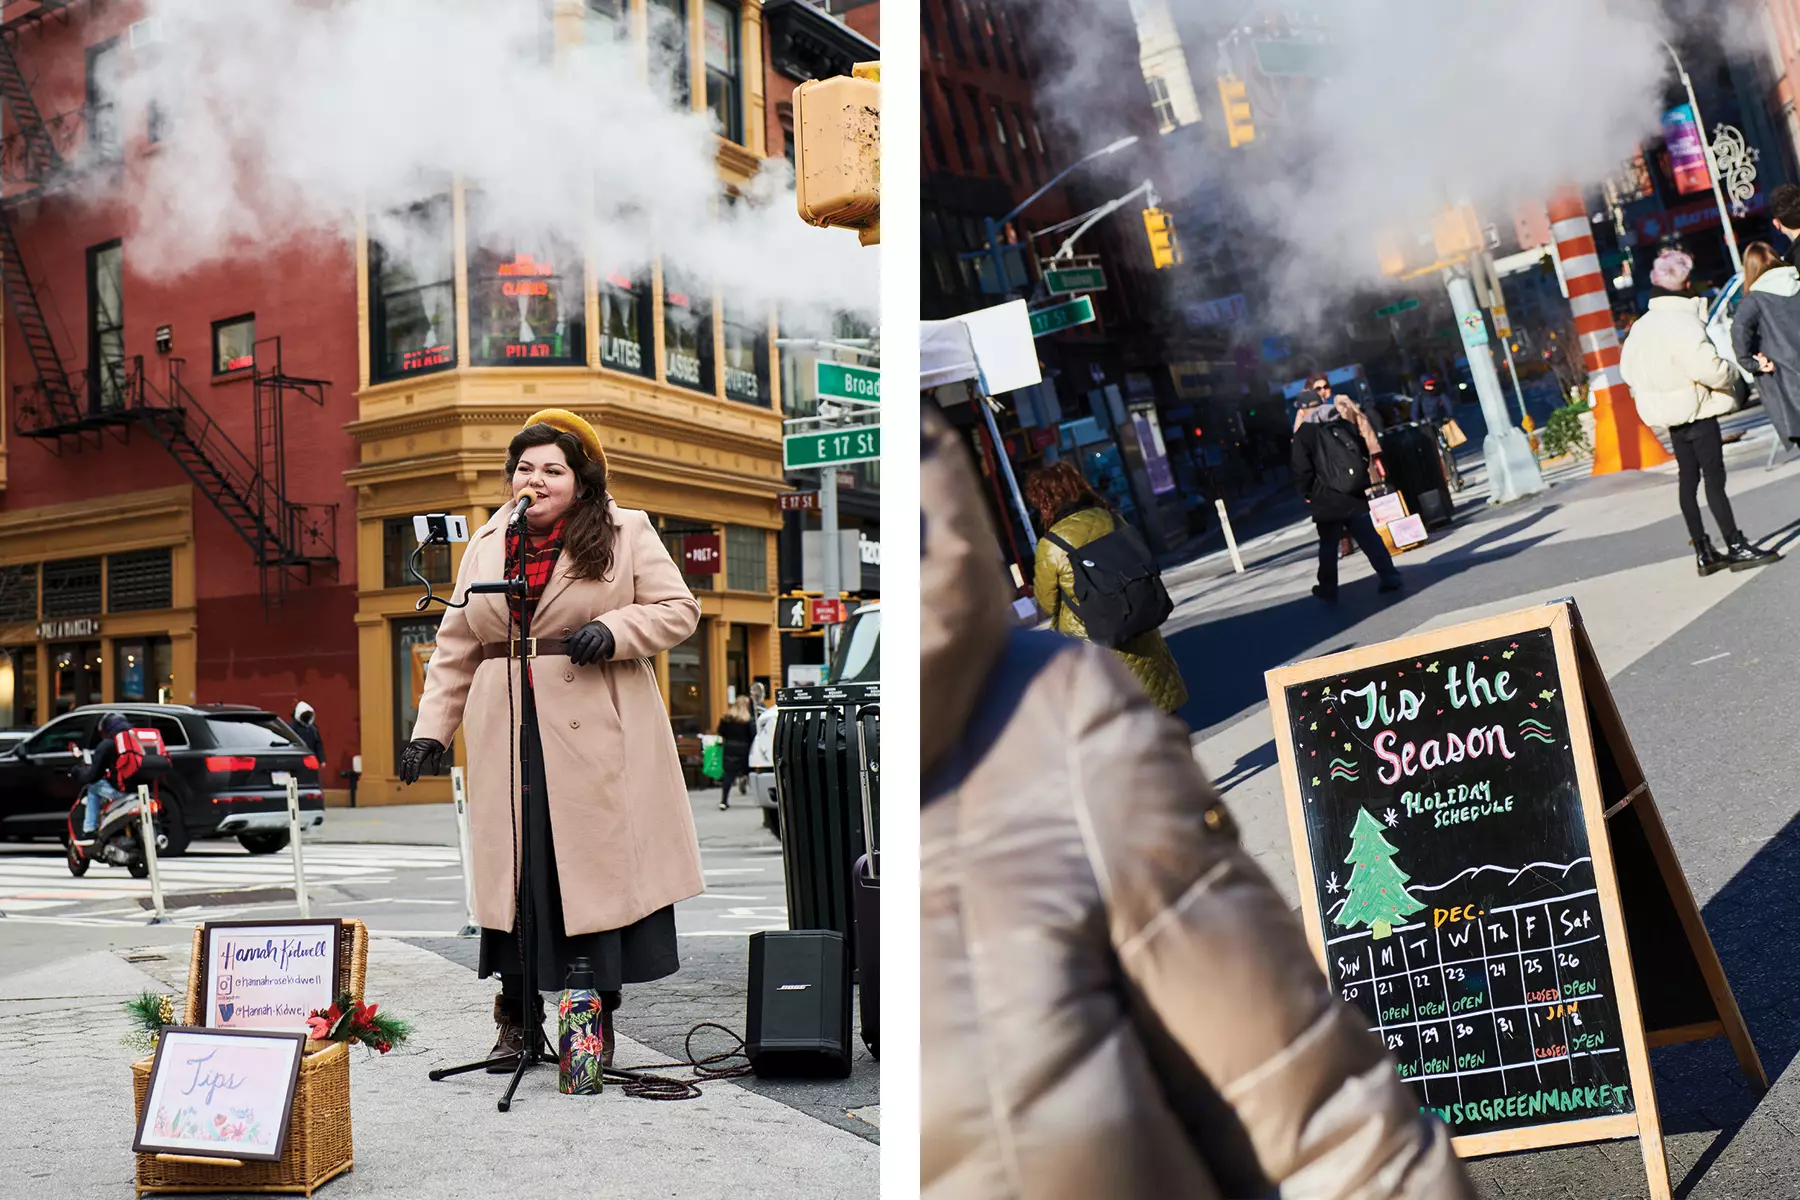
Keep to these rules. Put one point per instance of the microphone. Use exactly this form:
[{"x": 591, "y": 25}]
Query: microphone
[{"x": 518, "y": 517}]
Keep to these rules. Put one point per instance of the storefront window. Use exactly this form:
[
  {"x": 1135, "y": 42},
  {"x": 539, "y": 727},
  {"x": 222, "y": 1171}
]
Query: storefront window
[
  {"x": 398, "y": 541},
  {"x": 669, "y": 34},
  {"x": 737, "y": 661},
  {"x": 687, "y": 685},
  {"x": 75, "y": 676},
  {"x": 412, "y": 281},
  {"x": 674, "y": 535},
  {"x": 525, "y": 299},
  {"x": 18, "y": 687},
  {"x": 143, "y": 669},
  {"x": 722, "y": 70},
  {"x": 72, "y": 587},
  {"x": 746, "y": 559},
  {"x": 19, "y": 593},
  {"x": 139, "y": 580},
  {"x": 625, "y": 317},
  {"x": 607, "y": 20},
  {"x": 746, "y": 355},
  {"x": 687, "y": 333},
  {"x": 414, "y": 640}
]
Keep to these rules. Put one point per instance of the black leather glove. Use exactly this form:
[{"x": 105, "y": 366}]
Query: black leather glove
[
  {"x": 419, "y": 758},
  {"x": 592, "y": 643}
]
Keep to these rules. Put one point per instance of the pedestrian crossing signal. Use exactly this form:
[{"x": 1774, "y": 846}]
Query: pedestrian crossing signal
[
  {"x": 1165, "y": 250},
  {"x": 793, "y": 613},
  {"x": 1240, "y": 128}
]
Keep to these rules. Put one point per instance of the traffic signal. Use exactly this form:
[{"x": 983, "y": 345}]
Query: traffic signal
[
  {"x": 1165, "y": 250},
  {"x": 1239, "y": 126},
  {"x": 837, "y": 152}
]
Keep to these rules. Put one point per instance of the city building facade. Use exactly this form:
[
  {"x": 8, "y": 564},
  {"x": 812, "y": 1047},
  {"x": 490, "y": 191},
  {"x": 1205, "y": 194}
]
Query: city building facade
[{"x": 213, "y": 501}]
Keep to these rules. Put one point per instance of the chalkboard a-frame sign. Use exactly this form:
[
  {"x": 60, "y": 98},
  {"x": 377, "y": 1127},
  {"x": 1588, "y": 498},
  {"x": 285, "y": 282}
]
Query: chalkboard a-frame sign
[{"x": 1484, "y": 875}]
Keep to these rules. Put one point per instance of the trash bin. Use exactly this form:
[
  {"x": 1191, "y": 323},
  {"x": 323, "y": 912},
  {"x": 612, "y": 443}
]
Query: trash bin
[
  {"x": 819, "y": 789},
  {"x": 1414, "y": 469}
]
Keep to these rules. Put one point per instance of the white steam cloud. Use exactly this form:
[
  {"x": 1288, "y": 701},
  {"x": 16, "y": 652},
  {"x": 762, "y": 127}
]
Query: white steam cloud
[
  {"x": 1426, "y": 103},
  {"x": 289, "y": 117}
]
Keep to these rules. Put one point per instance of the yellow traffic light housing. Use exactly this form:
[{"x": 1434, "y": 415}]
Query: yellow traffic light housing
[
  {"x": 837, "y": 152},
  {"x": 1457, "y": 231},
  {"x": 1165, "y": 249},
  {"x": 1240, "y": 127}
]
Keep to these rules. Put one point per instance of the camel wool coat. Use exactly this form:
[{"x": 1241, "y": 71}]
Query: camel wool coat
[{"x": 624, "y": 833}]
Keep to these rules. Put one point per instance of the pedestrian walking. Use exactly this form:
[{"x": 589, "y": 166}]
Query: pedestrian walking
[
  {"x": 1115, "y": 1000},
  {"x": 1332, "y": 455},
  {"x": 611, "y": 846},
  {"x": 1075, "y": 518},
  {"x": 1765, "y": 335},
  {"x": 1784, "y": 208},
  {"x": 737, "y": 730},
  {"x": 1679, "y": 381},
  {"x": 306, "y": 724}
]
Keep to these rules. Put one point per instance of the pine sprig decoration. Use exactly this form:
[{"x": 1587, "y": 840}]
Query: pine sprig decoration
[{"x": 148, "y": 1012}]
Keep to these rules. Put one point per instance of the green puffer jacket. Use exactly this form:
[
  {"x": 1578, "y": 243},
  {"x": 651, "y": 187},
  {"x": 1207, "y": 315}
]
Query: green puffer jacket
[{"x": 1054, "y": 581}]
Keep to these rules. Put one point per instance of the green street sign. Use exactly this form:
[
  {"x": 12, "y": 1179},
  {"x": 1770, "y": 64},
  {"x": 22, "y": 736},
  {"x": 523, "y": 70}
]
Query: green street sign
[
  {"x": 1079, "y": 311},
  {"x": 836, "y": 381},
  {"x": 1394, "y": 310},
  {"x": 1075, "y": 279},
  {"x": 802, "y": 450}
]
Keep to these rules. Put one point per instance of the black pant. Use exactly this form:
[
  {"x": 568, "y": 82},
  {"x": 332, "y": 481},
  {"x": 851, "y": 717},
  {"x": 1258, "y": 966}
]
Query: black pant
[
  {"x": 1362, "y": 528},
  {"x": 730, "y": 778},
  {"x": 1699, "y": 451}
]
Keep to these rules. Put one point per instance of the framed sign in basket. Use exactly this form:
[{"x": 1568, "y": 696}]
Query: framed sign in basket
[
  {"x": 218, "y": 1093},
  {"x": 268, "y": 974}
]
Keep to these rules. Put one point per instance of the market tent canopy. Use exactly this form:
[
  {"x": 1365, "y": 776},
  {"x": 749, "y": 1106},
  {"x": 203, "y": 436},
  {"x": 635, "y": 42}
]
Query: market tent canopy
[
  {"x": 993, "y": 346},
  {"x": 946, "y": 355}
]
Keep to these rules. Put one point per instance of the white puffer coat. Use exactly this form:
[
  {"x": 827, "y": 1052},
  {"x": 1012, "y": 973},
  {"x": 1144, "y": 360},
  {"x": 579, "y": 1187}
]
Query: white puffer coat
[{"x": 1673, "y": 369}]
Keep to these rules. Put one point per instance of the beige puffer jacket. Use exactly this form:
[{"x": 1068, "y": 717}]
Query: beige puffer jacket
[
  {"x": 1672, "y": 368},
  {"x": 1115, "y": 1002}
]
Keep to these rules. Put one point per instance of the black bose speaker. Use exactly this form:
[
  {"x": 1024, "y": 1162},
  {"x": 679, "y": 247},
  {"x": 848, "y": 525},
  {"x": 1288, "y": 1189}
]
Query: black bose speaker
[{"x": 799, "y": 1004}]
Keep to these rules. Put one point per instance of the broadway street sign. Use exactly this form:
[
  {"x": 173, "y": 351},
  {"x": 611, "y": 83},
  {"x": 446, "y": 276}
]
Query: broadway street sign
[
  {"x": 836, "y": 381},
  {"x": 1075, "y": 279}
]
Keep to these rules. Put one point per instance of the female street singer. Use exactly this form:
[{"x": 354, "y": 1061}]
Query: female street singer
[{"x": 612, "y": 843}]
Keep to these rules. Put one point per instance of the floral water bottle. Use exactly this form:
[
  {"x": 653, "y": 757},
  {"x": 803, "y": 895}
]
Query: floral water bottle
[{"x": 579, "y": 1071}]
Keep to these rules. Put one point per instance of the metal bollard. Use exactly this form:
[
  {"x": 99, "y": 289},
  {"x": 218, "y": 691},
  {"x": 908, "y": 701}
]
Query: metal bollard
[
  {"x": 147, "y": 831},
  {"x": 459, "y": 793},
  {"x": 293, "y": 801},
  {"x": 1237, "y": 562}
]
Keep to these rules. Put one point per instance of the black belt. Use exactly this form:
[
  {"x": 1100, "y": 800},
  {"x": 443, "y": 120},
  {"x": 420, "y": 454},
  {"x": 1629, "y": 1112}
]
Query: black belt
[{"x": 534, "y": 648}]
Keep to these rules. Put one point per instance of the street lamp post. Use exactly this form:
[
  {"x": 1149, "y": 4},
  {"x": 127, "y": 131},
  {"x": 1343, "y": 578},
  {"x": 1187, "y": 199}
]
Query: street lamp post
[
  {"x": 1712, "y": 162},
  {"x": 994, "y": 228}
]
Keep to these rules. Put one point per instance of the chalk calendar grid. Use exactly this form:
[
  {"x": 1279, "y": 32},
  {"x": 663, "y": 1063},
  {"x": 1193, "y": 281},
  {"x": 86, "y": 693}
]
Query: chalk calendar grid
[{"x": 1497, "y": 1000}]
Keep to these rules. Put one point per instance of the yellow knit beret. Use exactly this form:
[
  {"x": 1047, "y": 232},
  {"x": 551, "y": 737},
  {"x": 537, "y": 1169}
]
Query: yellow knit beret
[{"x": 567, "y": 422}]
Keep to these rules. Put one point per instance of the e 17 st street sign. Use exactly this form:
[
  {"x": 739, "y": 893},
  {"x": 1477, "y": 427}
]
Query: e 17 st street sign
[
  {"x": 1074, "y": 279},
  {"x": 836, "y": 381},
  {"x": 1398, "y": 307},
  {"x": 802, "y": 450},
  {"x": 1079, "y": 311}
]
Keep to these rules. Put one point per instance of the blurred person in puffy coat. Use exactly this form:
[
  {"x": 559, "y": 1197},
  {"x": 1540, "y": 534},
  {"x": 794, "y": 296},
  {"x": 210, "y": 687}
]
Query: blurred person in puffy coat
[
  {"x": 1678, "y": 380},
  {"x": 1117, "y": 1002},
  {"x": 1070, "y": 509}
]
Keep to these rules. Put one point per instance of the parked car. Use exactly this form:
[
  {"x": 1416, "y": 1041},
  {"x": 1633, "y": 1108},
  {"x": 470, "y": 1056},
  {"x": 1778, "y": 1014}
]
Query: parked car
[
  {"x": 230, "y": 765},
  {"x": 858, "y": 660}
]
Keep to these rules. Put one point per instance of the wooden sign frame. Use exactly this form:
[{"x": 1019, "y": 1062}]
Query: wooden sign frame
[{"x": 1652, "y": 882}]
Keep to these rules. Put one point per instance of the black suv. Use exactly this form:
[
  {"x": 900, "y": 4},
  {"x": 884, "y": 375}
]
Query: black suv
[{"x": 228, "y": 777}]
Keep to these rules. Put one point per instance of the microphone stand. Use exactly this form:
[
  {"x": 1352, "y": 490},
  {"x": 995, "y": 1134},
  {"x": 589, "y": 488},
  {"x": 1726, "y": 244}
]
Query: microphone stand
[{"x": 522, "y": 651}]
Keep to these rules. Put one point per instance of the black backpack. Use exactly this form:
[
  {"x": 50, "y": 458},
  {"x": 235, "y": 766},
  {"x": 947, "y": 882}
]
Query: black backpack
[
  {"x": 1340, "y": 458},
  {"x": 1119, "y": 591}
]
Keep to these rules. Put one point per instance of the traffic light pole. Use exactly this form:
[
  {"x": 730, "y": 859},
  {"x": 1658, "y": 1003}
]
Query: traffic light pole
[{"x": 828, "y": 520}]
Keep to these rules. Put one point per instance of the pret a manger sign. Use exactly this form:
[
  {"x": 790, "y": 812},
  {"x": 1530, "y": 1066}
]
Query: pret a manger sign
[{"x": 1473, "y": 836}]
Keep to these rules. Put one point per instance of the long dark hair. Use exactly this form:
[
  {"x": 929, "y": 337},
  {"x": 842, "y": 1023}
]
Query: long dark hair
[
  {"x": 1758, "y": 257},
  {"x": 589, "y": 534},
  {"x": 1058, "y": 488}
]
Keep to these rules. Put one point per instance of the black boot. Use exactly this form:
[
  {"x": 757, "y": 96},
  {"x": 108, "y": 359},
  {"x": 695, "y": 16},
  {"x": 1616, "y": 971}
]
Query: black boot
[
  {"x": 513, "y": 1034},
  {"x": 609, "y": 1003},
  {"x": 1706, "y": 558},
  {"x": 1741, "y": 555}
]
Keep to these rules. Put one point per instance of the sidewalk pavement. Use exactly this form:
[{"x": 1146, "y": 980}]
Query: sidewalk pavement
[{"x": 59, "y": 1038}]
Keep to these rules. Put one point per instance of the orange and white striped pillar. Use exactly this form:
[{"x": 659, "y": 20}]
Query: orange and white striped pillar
[{"x": 1622, "y": 442}]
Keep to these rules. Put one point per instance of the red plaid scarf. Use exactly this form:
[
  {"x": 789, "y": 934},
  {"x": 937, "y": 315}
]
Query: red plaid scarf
[{"x": 540, "y": 563}]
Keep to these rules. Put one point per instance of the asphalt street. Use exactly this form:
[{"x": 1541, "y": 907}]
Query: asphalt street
[
  {"x": 72, "y": 949},
  {"x": 1706, "y": 673}
]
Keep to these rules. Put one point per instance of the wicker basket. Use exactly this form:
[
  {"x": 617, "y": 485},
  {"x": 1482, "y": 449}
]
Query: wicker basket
[{"x": 319, "y": 1138}]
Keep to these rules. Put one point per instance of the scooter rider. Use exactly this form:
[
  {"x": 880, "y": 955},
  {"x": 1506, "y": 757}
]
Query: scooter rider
[{"x": 101, "y": 774}]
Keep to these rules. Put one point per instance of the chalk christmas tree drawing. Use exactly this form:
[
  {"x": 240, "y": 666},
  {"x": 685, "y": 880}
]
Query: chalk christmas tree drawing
[{"x": 1376, "y": 895}]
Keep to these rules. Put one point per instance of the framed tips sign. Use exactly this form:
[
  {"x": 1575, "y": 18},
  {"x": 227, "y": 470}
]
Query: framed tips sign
[
  {"x": 268, "y": 974},
  {"x": 217, "y": 1093},
  {"x": 1482, "y": 870}
]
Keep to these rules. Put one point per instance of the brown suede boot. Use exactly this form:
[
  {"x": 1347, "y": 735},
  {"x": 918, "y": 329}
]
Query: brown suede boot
[{"x": 509, "y": 1017}]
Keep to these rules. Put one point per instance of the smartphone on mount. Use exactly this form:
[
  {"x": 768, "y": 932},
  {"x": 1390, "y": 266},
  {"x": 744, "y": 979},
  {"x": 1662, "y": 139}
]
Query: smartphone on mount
[{"x": 441, "y": 527}]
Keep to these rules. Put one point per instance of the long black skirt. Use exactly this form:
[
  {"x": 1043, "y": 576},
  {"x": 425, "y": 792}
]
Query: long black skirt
[{"x": 638, "y": 953}]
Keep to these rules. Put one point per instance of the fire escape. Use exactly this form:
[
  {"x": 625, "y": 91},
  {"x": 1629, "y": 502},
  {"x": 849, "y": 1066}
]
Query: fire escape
[{"x": 67, "y": 411}]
